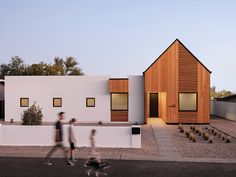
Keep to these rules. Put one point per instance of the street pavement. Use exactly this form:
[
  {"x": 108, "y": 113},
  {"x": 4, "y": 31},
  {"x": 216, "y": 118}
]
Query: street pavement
[{"x": 34, "y": 167}]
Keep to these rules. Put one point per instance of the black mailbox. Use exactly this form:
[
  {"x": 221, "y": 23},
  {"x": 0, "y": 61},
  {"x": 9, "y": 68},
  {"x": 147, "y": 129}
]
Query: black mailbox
[{"x": 135, "y": 130}]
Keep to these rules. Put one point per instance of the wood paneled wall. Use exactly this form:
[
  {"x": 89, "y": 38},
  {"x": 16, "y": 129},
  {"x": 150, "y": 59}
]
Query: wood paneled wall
[
  {"x": 177, "y": 70},
  {"x": 203, "y": 95},
  {"x": 188, "y": 69},
  {"x": 119, "y": 116},
  {"x": 194, "y": 77},
  {"x": 118, "y": 85},
  {"x": 162, "y": 77}
]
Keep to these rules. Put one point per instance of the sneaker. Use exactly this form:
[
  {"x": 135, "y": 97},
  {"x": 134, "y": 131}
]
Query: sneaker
[
  {"x": 47, "y": 163},
  {"x": 74, "y": 160},
  {"x": 70, "y": 163}
]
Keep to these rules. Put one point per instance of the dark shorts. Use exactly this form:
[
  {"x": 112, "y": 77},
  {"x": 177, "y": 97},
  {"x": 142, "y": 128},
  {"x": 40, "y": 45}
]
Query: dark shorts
[{"x": 72, "y": 146}]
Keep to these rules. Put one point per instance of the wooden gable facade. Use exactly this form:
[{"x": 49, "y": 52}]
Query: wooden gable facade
[{"x": 177, "y": 71}]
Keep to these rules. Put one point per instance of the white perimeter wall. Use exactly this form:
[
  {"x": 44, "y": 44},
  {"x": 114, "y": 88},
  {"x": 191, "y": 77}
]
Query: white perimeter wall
[
  {"x": 224, "y": 109},
  {"x": 17, "y": 135},
  {"x": 73, "y": 90}
]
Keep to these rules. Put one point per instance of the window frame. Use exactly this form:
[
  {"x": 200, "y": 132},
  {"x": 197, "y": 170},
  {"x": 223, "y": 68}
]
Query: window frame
[
  {"x": 127, "y": 101},
  {"x": 55, "y": 99},
  {"x": 196, "y": 101},
  {"x": 21, "y": 101},
  {"x": 93, "y": 98}
]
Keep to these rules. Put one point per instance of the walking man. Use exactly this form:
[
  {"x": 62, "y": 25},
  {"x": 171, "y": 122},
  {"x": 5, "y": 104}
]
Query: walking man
[{"x": 58, "y": 141}]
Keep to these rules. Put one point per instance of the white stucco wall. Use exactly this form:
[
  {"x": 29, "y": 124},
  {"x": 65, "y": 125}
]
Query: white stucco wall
[
  {"x": 136, "y": 99},
  {"x": 224, "y": 109},
  {"x": 72, "y": 89},
  {"x": 17, "y": 135}
]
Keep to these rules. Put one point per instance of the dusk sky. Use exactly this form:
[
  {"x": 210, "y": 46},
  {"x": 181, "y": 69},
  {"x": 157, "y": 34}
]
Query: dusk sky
[{"x": 123, "y": 37}]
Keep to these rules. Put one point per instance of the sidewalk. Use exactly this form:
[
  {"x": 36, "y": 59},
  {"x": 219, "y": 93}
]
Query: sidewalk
[
  {"x": 224, "y": 125},
  {"x": 164, "y": 140}
]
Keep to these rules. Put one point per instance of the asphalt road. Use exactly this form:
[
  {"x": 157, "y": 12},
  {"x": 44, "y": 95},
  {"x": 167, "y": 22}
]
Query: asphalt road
[{"x": 33, "y": 167}]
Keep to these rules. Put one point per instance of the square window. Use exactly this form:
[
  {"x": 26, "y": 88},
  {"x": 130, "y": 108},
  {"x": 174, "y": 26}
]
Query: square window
[
  {"x": 187, "y": 101},
  {"x": 24, "y": 102},
  {"x": 90, "y": 102},
  {"x": 119, "y": 101},
  {"x": 57, "y": 102}
]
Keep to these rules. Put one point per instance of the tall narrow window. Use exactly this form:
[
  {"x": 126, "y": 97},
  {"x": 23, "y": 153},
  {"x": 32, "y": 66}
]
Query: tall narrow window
[
  {"x": 57, "y": 102},
  {"x": 187, "y": 101},
  {"x": 24, "y": 102},
  {"x": 119, "y": 101},
  {"x": 90, "y": 102}
]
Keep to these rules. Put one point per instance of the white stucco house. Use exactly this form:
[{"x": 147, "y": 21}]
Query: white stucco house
[{"x": 87, "y": 98}]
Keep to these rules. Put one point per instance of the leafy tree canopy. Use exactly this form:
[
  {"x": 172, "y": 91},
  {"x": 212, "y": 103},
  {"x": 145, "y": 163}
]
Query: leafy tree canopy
[
  {"x": 60, "y": 66},
  {"x": 219, "y": 94}
]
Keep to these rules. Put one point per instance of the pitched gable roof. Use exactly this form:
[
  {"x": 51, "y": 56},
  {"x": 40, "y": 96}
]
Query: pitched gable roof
[{"x": 177, "y": 40}]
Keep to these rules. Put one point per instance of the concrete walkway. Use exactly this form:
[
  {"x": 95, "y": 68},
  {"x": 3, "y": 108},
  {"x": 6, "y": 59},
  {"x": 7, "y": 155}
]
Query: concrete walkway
[
  {"x": 167, "y": 148},
  {"x": 224, "y": 125}
]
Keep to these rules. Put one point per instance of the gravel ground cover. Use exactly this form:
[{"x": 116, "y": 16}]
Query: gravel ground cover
[{"x": 219, "y": 149}]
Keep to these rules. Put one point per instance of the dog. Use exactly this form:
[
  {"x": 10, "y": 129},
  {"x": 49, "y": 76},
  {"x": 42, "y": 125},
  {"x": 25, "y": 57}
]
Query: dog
[{"x": 94, "y": 166}]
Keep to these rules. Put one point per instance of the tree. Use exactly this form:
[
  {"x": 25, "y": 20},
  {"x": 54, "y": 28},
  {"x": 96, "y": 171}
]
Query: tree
[
  {"x": 219, "y": 94},
  {"x": 71, "y": 67},
  {"x": 16, "y": 66}
]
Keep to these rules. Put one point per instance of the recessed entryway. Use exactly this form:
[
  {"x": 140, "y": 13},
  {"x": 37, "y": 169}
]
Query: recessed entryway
[{"x": 153, "y": 104}]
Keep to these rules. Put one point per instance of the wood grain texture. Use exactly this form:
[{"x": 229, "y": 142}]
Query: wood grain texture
[
  {"x": 162, "y": 77},
  {"x": 118, "y": 86},
  {"x": 203, "y": 95},
  {"x": 177, "y": 70},
  {"x": 119, "y": 116}
]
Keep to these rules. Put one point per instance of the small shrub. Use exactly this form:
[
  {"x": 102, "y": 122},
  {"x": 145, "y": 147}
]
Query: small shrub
[
  {"x": 32, "y": 116},
  {"x": 191, "y": 136},
  {"x": 223, "y": 137},
  {"x": 228, "y": 139},
  {"x": 187, "y": 134},
  {"x": 206, "y": 136},
  {"x": 99, "y": 122},
  {"x": 203, "y": 135},
  {"x": 215, "y": 133},
  {"x": 211, "y": 139},
  {"x": 182, "y": 130},
  {"x": 197, "y": 131},
  {"x": 194, "y": 128}
]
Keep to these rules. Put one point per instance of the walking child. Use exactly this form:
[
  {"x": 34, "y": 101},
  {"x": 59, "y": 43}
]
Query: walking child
[
  {"x": 72, "y": 139},
  {"x": 94, "y": 162}
]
